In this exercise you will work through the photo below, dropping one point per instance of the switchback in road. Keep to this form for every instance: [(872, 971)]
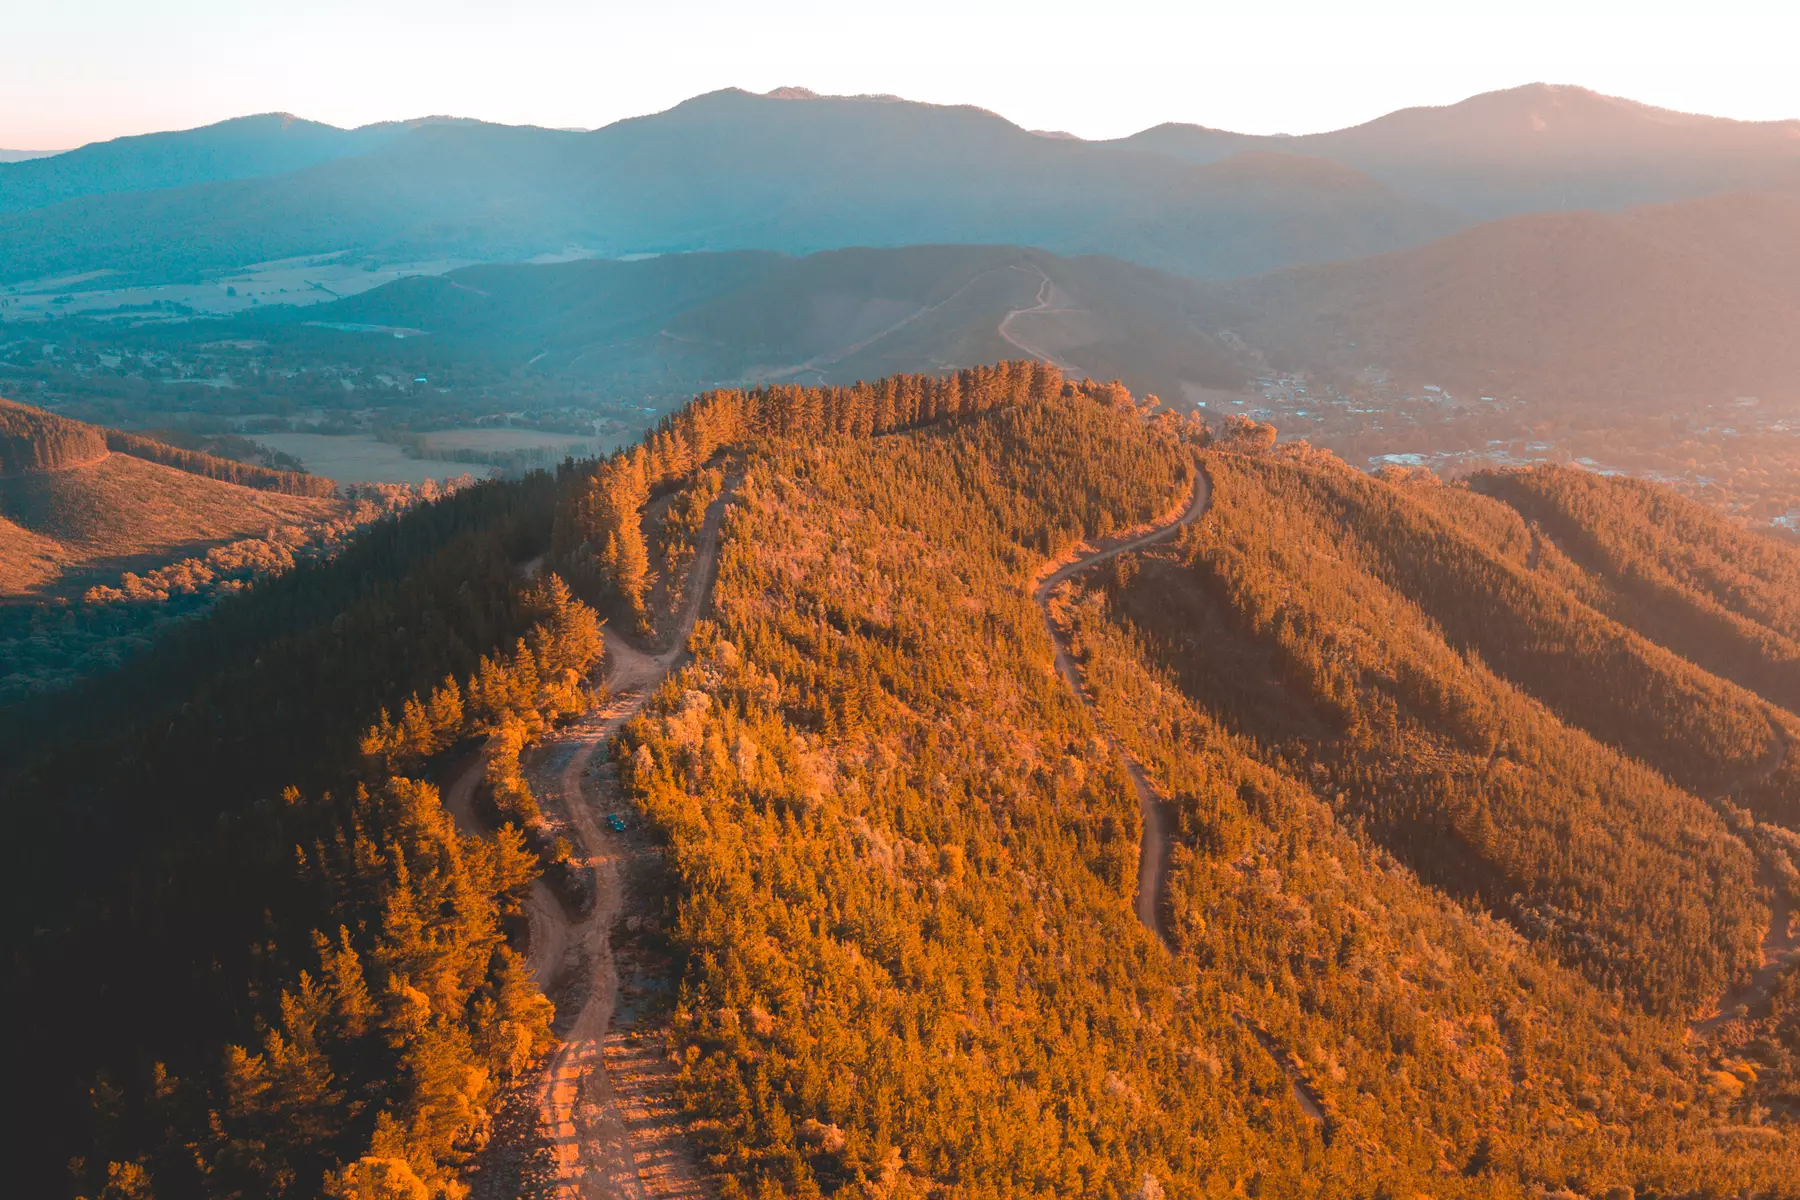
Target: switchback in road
[(1153, 851)]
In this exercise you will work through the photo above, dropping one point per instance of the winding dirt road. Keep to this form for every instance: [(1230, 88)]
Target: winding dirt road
[(1153, 850), (604, 1102), (608, 1123), (1046, 303)]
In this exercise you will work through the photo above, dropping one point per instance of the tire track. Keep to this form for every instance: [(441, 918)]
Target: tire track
[(1045, 303)]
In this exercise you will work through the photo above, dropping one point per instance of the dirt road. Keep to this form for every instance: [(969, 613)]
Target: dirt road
[(1047, 297), (608, 1124), (1153, 850), (605, 1102), (818, 362)]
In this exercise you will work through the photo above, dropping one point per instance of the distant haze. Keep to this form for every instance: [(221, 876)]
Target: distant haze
[(95, 69)]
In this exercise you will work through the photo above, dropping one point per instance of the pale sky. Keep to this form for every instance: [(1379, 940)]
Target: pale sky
[(73, 71)]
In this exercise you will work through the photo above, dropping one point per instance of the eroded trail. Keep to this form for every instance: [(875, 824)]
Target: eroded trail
[(608, 1123), (1153, 851)]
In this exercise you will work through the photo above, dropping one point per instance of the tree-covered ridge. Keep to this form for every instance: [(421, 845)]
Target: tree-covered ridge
[(1683, 574), (194, 462), (1497, 589), (399, 1009), (1450, 1055), (1461, 892), (32, 439), (1466, 775), (908, 857), (598, 539), (872, 756), (177, 890), (1637, 530)]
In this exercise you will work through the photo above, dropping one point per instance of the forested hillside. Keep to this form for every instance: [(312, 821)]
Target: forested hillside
[(1476, 930), (1675, 570), (156, 912), (1470, 875), (665, 324), (107, 538), (1450, 686)]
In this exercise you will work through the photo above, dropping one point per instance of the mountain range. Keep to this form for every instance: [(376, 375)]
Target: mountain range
[(1645, 308), (795, 173), (241, 148), (727, 171), (1529, 149)]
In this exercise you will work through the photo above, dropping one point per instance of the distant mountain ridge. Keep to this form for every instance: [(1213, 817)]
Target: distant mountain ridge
[(731, 171), (1657, 306), (796, 172), (240, 148), (1652, 306), (1531, 148), (686, 322)]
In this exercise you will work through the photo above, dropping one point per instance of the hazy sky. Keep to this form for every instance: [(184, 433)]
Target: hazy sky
[(73, 71)]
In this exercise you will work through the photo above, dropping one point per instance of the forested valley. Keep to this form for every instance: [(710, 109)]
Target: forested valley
[(1482, 825)]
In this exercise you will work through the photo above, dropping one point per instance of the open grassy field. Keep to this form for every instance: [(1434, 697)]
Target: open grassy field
[(487, 441), (125, 513), (361, 458)]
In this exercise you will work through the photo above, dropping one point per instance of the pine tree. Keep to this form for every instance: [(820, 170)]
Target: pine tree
[(446, 713), (632, 570), (352, 1009)]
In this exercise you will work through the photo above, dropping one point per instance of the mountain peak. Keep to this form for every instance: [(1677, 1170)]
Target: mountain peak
[(1548, 107)]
